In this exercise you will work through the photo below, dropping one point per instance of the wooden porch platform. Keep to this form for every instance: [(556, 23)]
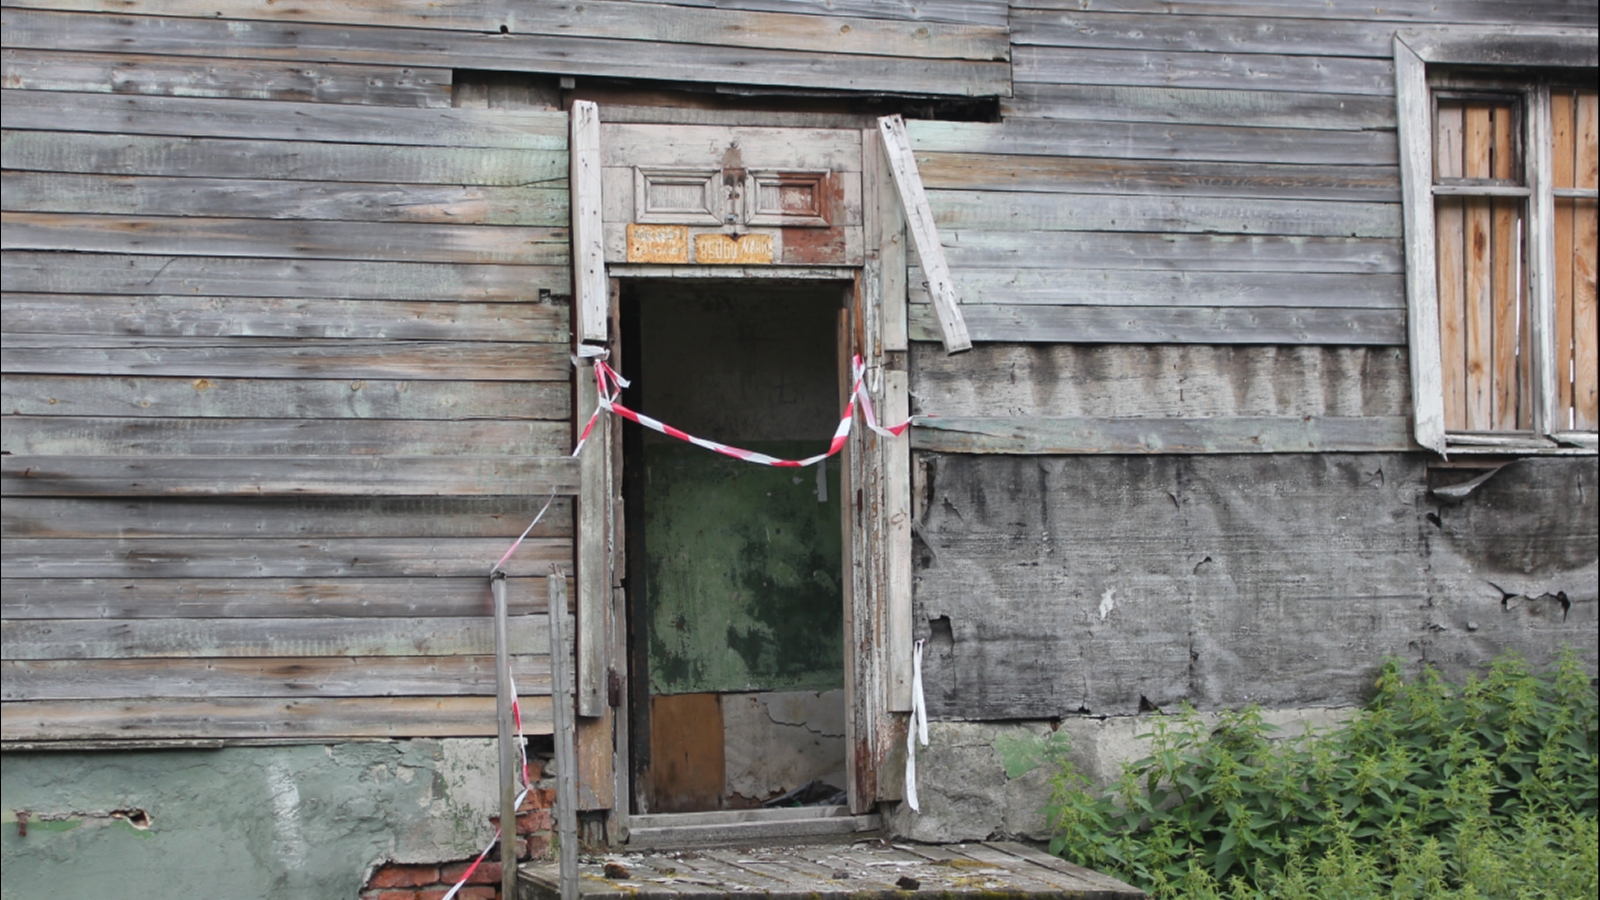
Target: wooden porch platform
[(865, 870)]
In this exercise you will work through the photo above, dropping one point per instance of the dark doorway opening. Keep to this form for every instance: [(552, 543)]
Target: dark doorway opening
[(735, 571)]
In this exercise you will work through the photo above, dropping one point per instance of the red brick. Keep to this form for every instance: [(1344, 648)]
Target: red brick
[(398, 875), (488, 873), (529, 822)]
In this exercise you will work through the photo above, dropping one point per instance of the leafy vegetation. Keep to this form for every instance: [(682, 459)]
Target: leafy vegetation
[(1433, 791)]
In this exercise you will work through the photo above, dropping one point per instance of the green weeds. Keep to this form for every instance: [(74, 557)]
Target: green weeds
[(1485, 790)]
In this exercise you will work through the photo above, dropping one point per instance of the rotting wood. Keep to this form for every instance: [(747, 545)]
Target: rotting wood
[(1173, 325), (361, 676), (287, 239), (402, 170), (924, 234), (126, 73), (100, 476), (339, 718), (310, 398), (281, 198), (275, 597), (515, 52), (247, 637), (274, 558), (112, 273), (1255, 434)]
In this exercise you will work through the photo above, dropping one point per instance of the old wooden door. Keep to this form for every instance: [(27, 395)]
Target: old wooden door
[(735, 206)]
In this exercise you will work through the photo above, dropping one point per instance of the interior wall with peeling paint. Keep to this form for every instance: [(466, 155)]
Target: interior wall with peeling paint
[(306, 821)]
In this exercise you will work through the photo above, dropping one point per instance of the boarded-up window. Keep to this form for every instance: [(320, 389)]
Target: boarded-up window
[(1491, 352), (1573, 166)]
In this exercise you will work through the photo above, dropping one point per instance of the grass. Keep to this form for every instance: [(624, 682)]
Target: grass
[(1483, 790)]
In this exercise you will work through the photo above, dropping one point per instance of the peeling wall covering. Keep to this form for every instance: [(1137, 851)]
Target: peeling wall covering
[(780, 741), (1055, 586), (242, 822)]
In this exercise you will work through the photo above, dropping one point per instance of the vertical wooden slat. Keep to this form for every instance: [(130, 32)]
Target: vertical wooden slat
[(1561, 158), (593, 549), (914, 200), (1586, 223), (1450, 229), (1505, 255), (1479, 278), (588, 236), (566, 765), (897, 498), (1414, 112)]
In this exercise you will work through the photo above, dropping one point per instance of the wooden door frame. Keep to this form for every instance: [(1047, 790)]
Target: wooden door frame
[(876, 487)]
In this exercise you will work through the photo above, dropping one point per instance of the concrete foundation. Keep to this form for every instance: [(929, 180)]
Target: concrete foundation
[(777, 741), (982, 780), (242, 822)]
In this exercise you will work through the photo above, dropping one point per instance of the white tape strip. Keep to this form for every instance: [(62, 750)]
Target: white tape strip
[(917, 728)]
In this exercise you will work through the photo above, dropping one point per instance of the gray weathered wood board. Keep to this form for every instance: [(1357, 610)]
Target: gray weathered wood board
[(254, 637), (1020, 211), (980, 249), (811, 29), (126, 73), (1198, 106), (262, 317), (370, 676), (273, 358), (1123, 287), (294, 239), (1167, 68), (374, 166), (114, 273), (1171, 325), (1161, 380), (1278, 579), (1036, 434), (106, 436), (1081, 175), (192, 117), (238, 476), (291, 398), (1475, 12), (274, 198), (267, 598), (334, 718), (1158, 140), (510, 51)]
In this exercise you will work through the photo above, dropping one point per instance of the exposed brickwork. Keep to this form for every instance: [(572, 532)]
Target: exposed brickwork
[(431, 881)]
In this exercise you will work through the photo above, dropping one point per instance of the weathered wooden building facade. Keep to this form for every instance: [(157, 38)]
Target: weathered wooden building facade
[(1282, 329)]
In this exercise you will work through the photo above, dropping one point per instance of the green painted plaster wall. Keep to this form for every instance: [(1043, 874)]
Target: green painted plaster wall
[(744, 570), (239, 823)]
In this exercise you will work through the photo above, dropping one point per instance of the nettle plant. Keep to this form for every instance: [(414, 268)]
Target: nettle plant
[(1488, 789)]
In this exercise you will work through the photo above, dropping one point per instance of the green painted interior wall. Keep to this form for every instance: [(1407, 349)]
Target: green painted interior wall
[(744, 571), (240, 823)]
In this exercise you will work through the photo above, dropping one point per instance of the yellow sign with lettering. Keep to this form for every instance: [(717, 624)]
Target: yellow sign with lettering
[(722, 250), (658, 243)]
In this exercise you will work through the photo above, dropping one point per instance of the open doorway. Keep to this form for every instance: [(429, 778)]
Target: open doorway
[(734, 570)]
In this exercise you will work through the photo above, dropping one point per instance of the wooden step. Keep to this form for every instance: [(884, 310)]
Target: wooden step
[(738, 827)]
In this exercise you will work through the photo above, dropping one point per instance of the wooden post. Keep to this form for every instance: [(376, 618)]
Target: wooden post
[(588, 239), (507, 731), (566, 758), (903, 165)]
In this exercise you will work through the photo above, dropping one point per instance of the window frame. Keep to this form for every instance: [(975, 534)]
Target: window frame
[(1526, 60)]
